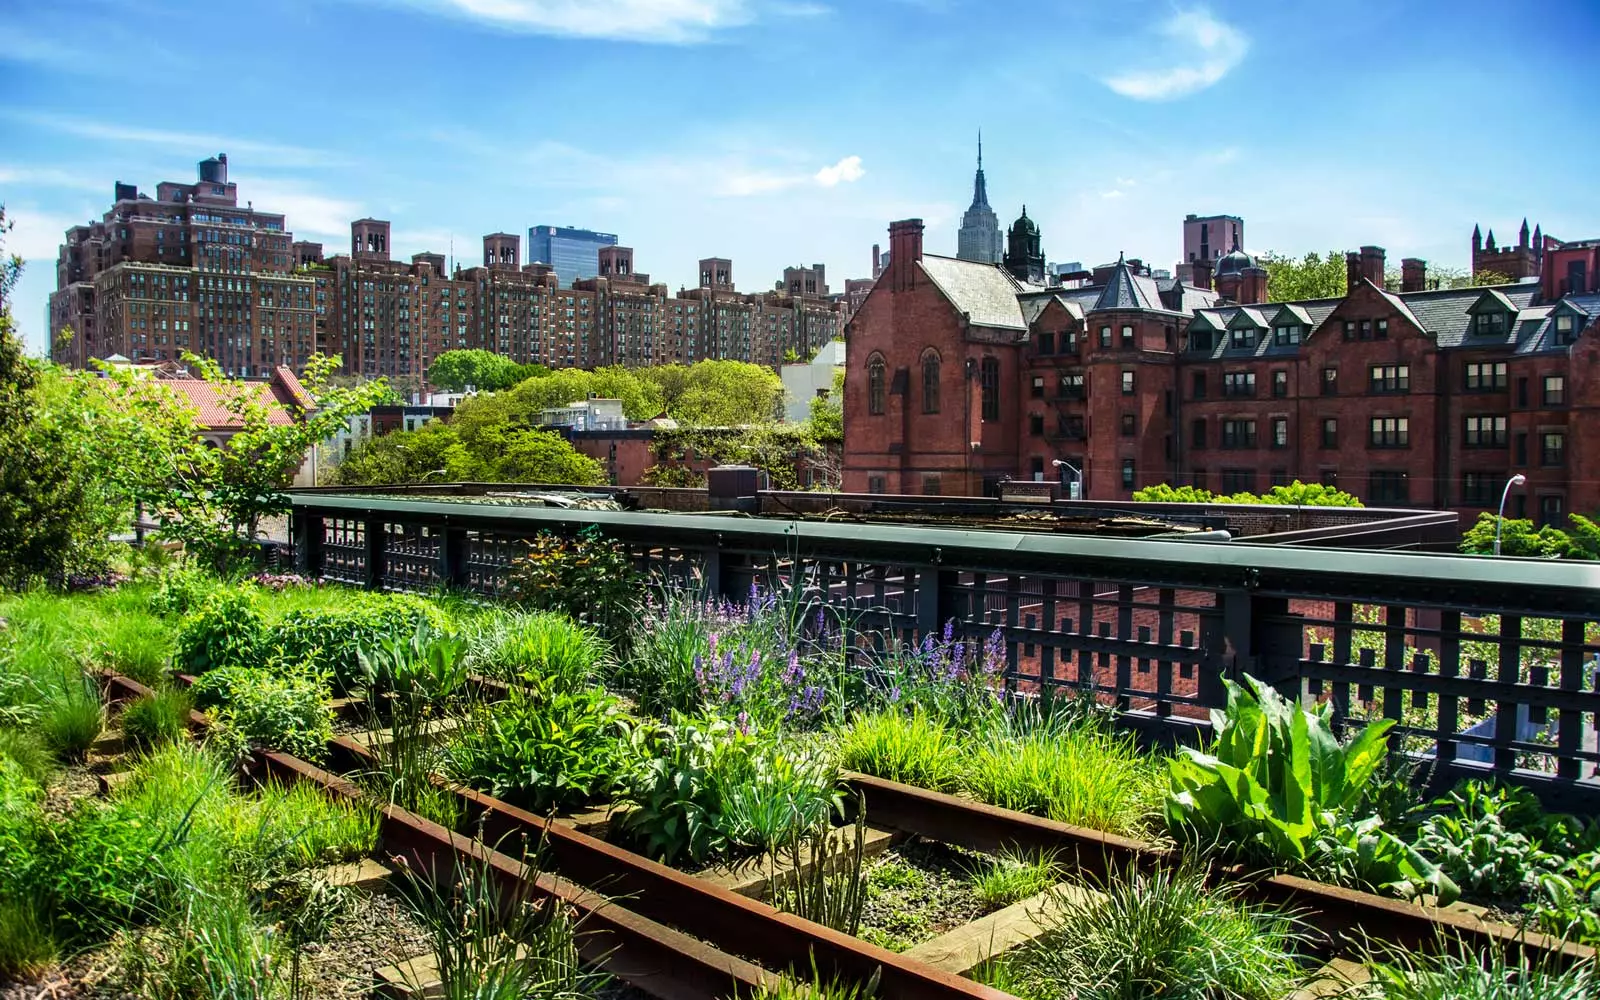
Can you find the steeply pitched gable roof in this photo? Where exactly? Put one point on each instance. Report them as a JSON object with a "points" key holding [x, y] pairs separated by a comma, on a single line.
{"points": [[1126, 290], [986, 293]]}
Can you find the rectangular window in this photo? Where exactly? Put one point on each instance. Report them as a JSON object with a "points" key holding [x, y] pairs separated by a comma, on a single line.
{"points": [[1388, 486], [1485, 432], [1330, 432], [1128, 476], [1285, 336], [1280, 384], [1130, 425], [1366, 329], [1238, 481], [1197, 434], [1278, 477], [1069, 426], [1485, 376], [1280, 432], [1349, 329], [930, 484], [1385, 379], [1036, 424], [990, 383], [1390, 432], [1382, 331], [1236, 384], [1038, 387], [1127, 338], [1478, 488], [1242, 339], [1330, 381], [1127, 382], [1521, 448], [1491, 324], [1553, 448], [875, 484], [1071, 385], [1197, 382], [1238, 434], [1200, 342], [1522, 391], [1555, 390], [1564, 329], [1329, 478], [1047, 342], [1105, 336]]}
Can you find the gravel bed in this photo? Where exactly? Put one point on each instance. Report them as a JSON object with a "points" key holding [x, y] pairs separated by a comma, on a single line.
{"points": [[918, 891], [377, 931]]}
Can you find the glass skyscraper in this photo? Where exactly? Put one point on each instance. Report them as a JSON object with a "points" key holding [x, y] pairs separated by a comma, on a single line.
{"points": [[574, 253]]}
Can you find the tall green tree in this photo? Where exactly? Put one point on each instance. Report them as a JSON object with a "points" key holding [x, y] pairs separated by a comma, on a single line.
{"points": [[454, 371], [1313, 276]]}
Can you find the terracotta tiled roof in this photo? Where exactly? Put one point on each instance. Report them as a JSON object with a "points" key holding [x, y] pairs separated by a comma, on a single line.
{"points": [[283, 396]]}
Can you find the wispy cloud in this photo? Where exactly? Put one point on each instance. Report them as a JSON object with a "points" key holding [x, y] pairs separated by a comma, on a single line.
{"points": [[308, 213], [52, 177], [36, 235], [1200, 50], [260, 153], [661, 21]]}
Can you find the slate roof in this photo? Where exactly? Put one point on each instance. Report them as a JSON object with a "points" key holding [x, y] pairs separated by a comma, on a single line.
{"points": [[1444, 313], [1033, 306], [1126, 290], [985, 292], [1314, 311], [1536, 333]]}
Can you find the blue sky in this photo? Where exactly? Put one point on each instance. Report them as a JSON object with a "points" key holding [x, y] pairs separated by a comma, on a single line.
{"points": [[792, 131]]}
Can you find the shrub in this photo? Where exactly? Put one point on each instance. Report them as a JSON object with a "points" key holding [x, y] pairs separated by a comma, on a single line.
{"points": [[71, 723], [1164, 934], [287, 712], [544, 645], [414, 670], [156, 719], [226, 630], [1475, 838], [912, 749], [1276, 782], [1085, 777], [181, 591], [589, 577], [330, 639], [557, 749]]}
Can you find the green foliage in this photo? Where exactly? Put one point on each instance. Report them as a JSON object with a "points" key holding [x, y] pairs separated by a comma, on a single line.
{"points": [[1165, 934], [331, 638], [27, 947], [1459, 974], [25, 749], [1310, 277], [226, 630], [1567, 902], [454, 371], [1081, 776], [554, 749], [544, 647], [156, 719], [779, 450], [181, 591], [287, 711], [435, 452], [1296, 494], [136, 646], [588, 577], [1014, 876], [827, 413], [717, 393], [1477, 840], [70, 724], [425, 666], [1276, 783], [910, 748], [1519, 538], [818, 878]]}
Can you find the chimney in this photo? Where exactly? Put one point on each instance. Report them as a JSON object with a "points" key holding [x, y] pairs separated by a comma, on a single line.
{"points": [[1413, 275], [905, 250], [1202, 272], [876, 264], [1372, 265], [1352, 270]]}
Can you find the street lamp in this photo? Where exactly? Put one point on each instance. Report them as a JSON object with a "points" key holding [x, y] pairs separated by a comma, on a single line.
{"points": [[1077, 476], [1500, 519]]}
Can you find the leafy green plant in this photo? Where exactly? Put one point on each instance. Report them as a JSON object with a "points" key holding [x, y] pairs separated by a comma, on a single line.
{"points": [[910, 748], [27, 751], [1475, 838], [1013, 876], [1086, 777], [554, 749], [425, 666], [72, 722], [137, 646], [1277, 783], [818, 878], [588, 577], [1567, 902], [181, 591], [1457, 974], [1165, 934], [331, 637], [156, 719], [287, 711], [545, 646], [226, 630]]}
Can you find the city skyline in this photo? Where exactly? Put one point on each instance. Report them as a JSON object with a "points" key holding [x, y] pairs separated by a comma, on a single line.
{"points": [[1142, 133]]}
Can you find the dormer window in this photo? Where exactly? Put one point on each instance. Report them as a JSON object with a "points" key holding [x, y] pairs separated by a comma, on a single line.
{"points": [[1200, 341], [1491, 324], [1565, 326], [1243, 338], [1285, 336]]}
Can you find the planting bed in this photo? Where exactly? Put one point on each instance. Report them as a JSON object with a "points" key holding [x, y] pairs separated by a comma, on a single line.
{"points": [[685, 803]]}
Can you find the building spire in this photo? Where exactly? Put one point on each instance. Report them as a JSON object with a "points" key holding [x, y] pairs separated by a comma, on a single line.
{"points": [[980, 149]]}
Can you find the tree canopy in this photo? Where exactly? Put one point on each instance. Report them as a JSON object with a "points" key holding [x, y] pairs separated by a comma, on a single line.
{"points": [[1296, 494], [497, 452], [455, 371], [1518, 537], [1314, 276]]}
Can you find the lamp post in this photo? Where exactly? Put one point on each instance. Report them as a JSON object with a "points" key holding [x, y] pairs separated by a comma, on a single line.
{"points": [[1077, 475], [1500, 518]]}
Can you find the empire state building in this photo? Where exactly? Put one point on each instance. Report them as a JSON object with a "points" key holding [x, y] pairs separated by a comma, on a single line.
{"points": [[979, 238]]}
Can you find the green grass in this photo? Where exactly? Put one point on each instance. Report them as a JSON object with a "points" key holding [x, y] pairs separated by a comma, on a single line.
{"points": [[71, 724], [1455, 975], [136, 644], [1085, 777], [1166, 934], [541, 646], [914, 749], [1014, 876], [156, 719], [27, 751], [26, 944]]}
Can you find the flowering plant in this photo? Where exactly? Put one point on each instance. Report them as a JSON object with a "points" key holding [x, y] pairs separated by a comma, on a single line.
{"points": [[953, 678]]}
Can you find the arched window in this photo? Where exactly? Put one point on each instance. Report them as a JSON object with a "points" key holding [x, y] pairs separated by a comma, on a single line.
{"points": [[930, 381], [990, 381], [875, 372]]}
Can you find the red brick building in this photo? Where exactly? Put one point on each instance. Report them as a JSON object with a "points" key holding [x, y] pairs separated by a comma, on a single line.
{"points": [[960, 376]]}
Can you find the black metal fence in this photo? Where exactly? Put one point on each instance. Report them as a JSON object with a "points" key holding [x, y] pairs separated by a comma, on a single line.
{"points": [[1486, 665]]}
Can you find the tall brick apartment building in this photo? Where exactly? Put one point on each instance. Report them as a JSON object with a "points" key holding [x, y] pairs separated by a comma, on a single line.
{"points": [[189, 270], [960, 375]]}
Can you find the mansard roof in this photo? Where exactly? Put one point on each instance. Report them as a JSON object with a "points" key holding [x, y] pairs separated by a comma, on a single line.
{"points": [[1308, 313], [986, 293], [1536, 335], [1447, 314]]}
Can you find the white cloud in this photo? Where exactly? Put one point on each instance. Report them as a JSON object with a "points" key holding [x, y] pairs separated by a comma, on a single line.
{"points": [[36, 235], [307, 213], [1113, 193], [668, 21], [846, 170], [194, 143], [52, 177], [1201, 50]]}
